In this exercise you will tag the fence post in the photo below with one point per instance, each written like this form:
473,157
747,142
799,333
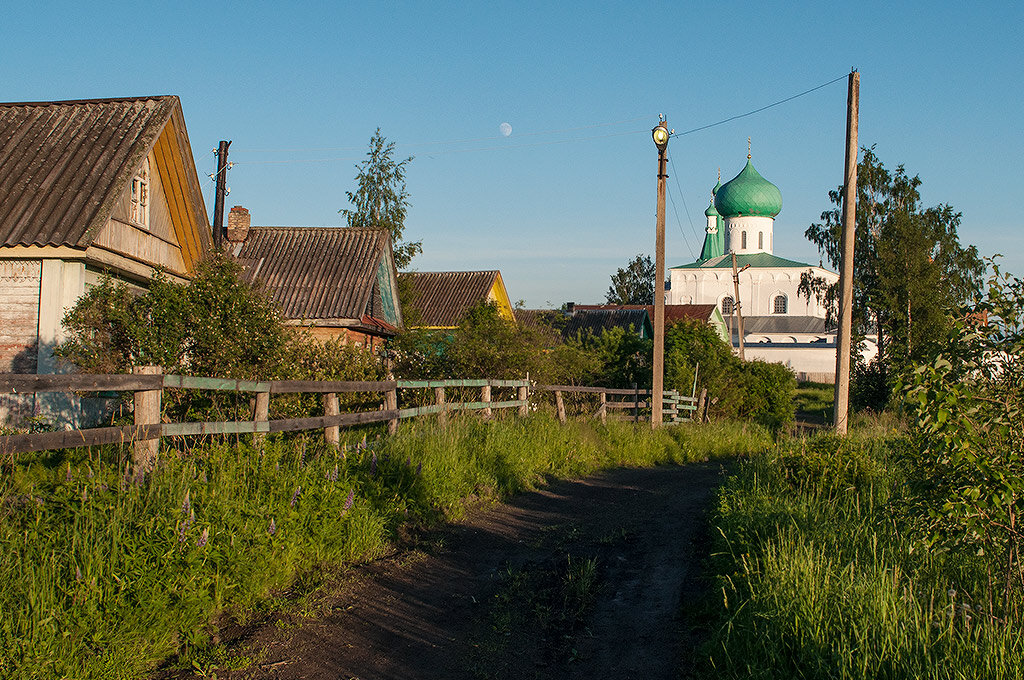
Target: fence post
698,415
331,408
560,403
147,412
602,410
442,415
523,395
391,404
261,414
485,396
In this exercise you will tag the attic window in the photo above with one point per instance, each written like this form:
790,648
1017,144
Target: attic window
780,306
138,210
727,305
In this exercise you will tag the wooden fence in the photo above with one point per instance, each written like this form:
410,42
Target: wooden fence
676,408
147,384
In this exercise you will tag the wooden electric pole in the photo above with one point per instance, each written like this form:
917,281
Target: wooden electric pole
661,135
843,339
218,202
736,303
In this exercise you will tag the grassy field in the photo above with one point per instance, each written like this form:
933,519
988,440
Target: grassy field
104,576
813,402
819,576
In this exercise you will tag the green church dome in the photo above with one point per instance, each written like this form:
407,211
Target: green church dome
711,212
748,194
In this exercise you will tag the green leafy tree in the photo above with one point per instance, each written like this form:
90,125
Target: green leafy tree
380,200
634,284
969,406
909,265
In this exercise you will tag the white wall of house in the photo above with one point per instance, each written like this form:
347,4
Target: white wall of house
759,287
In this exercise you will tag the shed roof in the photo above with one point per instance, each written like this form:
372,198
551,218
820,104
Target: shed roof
597,321
318,272
64,164
443,298
673,313
783,323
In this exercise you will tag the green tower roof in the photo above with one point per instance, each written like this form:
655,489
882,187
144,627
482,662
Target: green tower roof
748,194
711,212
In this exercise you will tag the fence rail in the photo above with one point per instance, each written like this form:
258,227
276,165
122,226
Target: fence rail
148,384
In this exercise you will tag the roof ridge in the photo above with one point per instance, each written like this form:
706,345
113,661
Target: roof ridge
106,100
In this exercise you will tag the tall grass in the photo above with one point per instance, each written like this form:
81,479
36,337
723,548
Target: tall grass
104,576
820,578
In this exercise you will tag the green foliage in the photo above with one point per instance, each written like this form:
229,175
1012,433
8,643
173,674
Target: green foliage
909,267
103,575
819,577
633,285
380,200
969,456
217,325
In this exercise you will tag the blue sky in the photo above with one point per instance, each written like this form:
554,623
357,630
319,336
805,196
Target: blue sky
569,196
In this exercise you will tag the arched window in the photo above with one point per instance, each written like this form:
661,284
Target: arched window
760,240
780,304
743,241
727,305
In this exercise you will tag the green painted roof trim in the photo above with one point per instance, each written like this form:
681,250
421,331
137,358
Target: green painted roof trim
754,260
748,194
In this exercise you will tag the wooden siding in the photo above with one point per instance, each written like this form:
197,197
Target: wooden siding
19,314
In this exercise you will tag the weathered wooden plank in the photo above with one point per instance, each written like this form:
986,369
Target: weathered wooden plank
77,382
575,388
224,427
341,420
421,384
189,382
627,404
70,439
293,386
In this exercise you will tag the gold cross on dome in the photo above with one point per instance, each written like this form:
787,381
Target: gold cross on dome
748,148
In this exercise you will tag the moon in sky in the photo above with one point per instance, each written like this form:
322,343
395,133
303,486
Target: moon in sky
506,129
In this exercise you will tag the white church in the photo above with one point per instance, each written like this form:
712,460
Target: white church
779,324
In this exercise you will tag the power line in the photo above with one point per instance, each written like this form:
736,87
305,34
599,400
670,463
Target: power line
763,108
504,147
679,222
675,174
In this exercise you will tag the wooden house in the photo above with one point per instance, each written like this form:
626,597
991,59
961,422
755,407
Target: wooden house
440,300
87,188
338,282
709,314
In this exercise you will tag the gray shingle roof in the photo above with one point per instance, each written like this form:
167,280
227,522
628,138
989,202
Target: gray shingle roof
441,299
63,165
318,272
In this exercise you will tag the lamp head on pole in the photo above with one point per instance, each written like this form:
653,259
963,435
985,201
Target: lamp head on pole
661,134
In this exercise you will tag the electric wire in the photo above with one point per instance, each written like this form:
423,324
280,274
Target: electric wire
686,241
528,134
675,174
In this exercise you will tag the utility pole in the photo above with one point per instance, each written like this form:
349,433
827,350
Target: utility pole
660,134
222,183
736,303
842,394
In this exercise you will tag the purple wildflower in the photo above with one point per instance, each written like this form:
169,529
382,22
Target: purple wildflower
295,496
67,475
408,461
272,529
419,469
78,573
334,474
186,505
349,501
203,537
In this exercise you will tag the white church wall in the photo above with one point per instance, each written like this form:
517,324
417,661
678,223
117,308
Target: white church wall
735,228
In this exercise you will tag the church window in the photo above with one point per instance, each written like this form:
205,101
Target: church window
760,240
743,241
780,306
727,305
138,210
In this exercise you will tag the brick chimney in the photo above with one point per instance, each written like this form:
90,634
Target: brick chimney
238,224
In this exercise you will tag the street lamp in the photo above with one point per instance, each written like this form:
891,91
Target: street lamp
660,134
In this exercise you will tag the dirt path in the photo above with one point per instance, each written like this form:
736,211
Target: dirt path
584,579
